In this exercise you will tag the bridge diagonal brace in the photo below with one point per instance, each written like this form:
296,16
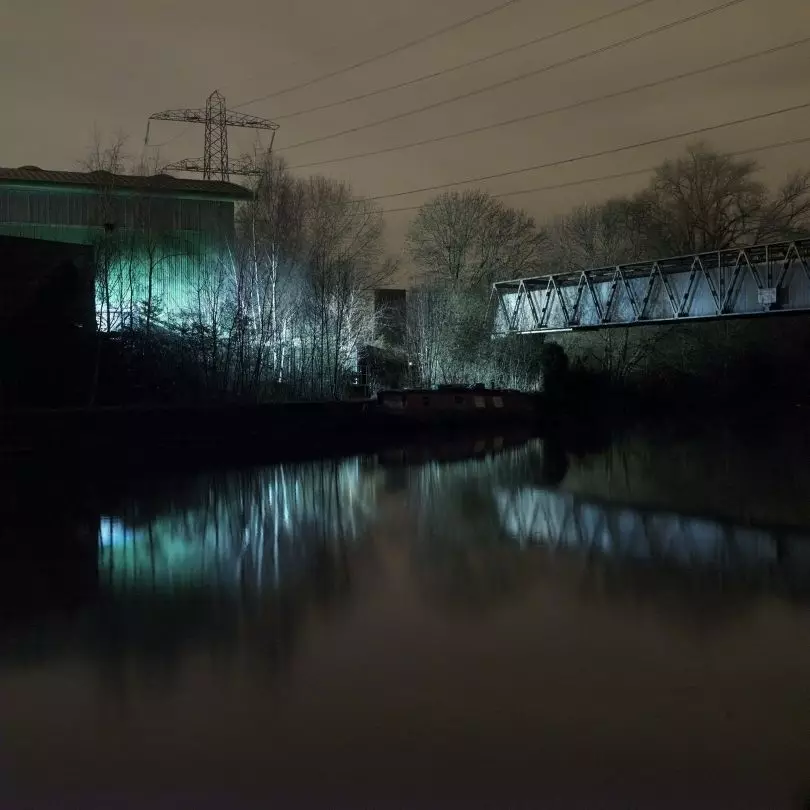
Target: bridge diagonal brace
503,308
561,299
577,299
787,265
491,316
541,317
516,309
690,287
648,292
546,305
752,270
792,254
731,291
594,297
628,288
668,290
712,286
614,283
538,320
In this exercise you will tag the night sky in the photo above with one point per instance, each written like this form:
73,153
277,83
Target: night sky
71,66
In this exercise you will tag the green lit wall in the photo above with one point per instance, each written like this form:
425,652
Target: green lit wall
170,271
174,242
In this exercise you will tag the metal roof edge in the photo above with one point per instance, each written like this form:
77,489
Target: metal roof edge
231,193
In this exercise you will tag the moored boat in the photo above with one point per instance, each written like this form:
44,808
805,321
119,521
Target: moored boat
457,404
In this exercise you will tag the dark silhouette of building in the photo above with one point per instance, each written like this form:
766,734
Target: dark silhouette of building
47,320
390,309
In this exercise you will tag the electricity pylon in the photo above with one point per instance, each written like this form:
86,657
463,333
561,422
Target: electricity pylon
215,163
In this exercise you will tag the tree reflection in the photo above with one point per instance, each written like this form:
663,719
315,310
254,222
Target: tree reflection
223,557
239,531
461,555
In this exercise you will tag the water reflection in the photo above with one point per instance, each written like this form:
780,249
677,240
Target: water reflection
238,531
226,558
213,560
771,556
459,549
471,597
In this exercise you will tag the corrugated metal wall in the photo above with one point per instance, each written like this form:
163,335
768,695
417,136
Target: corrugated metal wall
83,209
176,241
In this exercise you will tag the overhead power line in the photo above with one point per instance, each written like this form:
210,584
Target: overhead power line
601,153
368,60
497,85
562,108
479,60
615,176
362,33
174,137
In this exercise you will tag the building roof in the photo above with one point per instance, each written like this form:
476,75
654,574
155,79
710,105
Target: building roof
153,184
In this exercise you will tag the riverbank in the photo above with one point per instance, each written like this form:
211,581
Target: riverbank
231,434
591,410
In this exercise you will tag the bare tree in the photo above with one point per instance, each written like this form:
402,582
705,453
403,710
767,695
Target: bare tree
283,311
272,225
106,162
592,236
709,200
461,243
207,326
428,334
344,263
291,302
470,238
787,214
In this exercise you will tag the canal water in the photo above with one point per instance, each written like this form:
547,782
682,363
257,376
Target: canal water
493,621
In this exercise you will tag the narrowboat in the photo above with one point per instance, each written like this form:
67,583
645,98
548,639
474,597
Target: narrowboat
449,403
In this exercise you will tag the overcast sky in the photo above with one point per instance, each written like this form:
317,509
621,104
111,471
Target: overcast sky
70,65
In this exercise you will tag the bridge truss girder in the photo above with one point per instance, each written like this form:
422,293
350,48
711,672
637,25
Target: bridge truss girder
736,282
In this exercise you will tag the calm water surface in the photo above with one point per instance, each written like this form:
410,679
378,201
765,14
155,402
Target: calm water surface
482,621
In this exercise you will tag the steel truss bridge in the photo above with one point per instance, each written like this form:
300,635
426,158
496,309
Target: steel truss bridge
770,278
763,555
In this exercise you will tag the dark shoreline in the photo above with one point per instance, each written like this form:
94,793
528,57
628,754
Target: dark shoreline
230,434
193,436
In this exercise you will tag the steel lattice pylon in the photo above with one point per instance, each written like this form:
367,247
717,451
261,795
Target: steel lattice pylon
215,157
216,163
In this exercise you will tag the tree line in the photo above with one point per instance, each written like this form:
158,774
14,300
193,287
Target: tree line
462,241
285,310
279,310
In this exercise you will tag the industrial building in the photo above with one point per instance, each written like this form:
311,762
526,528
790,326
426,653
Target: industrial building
154,237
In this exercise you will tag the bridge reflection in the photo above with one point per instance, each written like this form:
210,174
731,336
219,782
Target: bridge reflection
476,520
560,520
